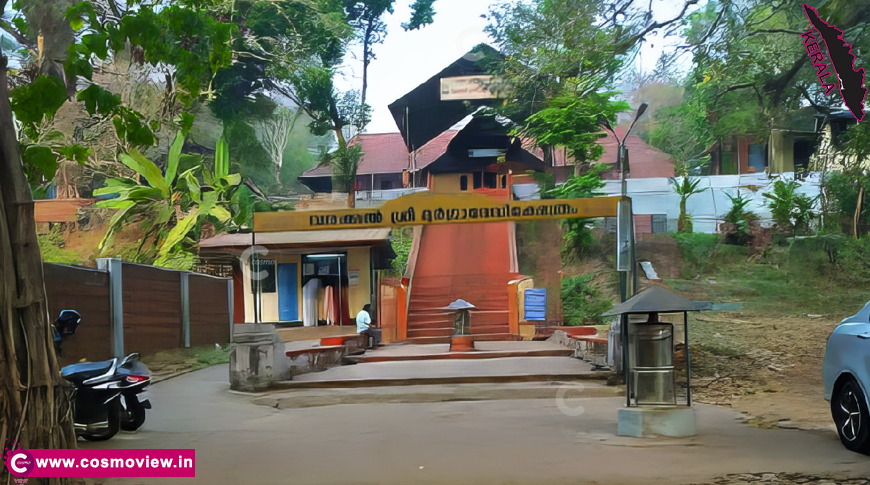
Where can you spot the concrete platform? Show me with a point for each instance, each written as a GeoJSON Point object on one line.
{"type": "Point", "coordinates": [315, 397]}
{"type": "Point", "coordinates": [482, 350]}
{"type": "Point", "coordinates": [642, 422]}
{"type": "Point", "coordinates": [424, 372]}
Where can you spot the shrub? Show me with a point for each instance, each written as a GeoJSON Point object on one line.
{"type": "Point", "coordinates": [739, 222]}
{"type": "Point", "coordinates": [582, 300]}
{"type": "Point", "coordinates": [401, 243]}
{"type": "Point", "coordinates": [792, 212]}
{"type": "Point", "coordinates": [51, 246]}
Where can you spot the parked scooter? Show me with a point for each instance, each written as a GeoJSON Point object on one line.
{"type": "Point", "coordinates": [108, 395]}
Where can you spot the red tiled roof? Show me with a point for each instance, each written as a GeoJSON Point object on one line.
{"type": "Point", "coordinates": [433, 149]}
{"type": "Point", "coordinates": [644, 161]}
{"type": "Point", "coordinates": [382, 153]}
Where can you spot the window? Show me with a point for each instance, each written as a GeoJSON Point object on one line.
{"type": "Point", "coordinates": [504, 181]}
{"type": "Point", "coordinates": [267, 282]}
{"type": "Point", "coordinates": [386, 184]}
{"type": "Point", "coordinates": [478, 179]}
{"type": "Point", "coordinates": [490, 180]}
{"type": "Point", "coordinates": [659, 223]}
{"type": "Point", "coordinates": [758, 157]}
{"type": "Point", "coordinates": [463, 182]}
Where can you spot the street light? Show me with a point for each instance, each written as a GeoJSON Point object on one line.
{"type": "Point", "coordinates": [625, 222]}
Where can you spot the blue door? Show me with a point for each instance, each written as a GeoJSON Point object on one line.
{"type": "Point", "coordinates": [288, 297]}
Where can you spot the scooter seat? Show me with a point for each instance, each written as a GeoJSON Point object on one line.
{"type": "Point", "coordinates": [85, 370]}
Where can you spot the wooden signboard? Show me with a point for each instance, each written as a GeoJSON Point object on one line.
{"type": "Point", "coordinates": [425, 208]}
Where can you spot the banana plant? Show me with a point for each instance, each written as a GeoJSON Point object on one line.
{"type": "Point", "coordinates": [685, 188]}
{"type": "Point", "coordinates": [170, 206]}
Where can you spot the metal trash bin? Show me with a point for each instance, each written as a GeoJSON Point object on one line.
{"type": "Point", "coordinates": [653, 379]}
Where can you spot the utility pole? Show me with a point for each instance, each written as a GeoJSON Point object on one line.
{"type": "Point", "coordinates": [625, 224]}
{"type": "Point", "coordinates": [627, 275]}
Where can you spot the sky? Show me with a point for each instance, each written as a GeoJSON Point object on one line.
{"type": "Point", "coordinates": [407, 59]}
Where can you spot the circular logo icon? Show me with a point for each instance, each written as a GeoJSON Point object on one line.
{"type": "Point", "coordinates": [20, 463]}
{"type": "Point", "coordinates": [563, 399]}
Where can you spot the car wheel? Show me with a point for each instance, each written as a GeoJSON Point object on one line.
{"type": "Point", "coordinates": [849, 410]}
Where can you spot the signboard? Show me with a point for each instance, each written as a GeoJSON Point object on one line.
{"type": "Point", "coordinates": [426, 208]}
{"type": "Point", "coordinates": [473, 87]}
{"type": "Point", "coordinates": [353, 278]}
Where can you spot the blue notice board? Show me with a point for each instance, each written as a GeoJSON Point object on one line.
{"type": "Point", "coordinates": [535, 309]}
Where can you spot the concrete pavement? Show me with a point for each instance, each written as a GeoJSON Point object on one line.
{"type": "Point", "coordinates": [501, 367]}
{"type": "Point", "coordinates": [488, 442]}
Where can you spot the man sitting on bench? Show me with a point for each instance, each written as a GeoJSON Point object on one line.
{"type": "Point", "coordinates": [364, 326]}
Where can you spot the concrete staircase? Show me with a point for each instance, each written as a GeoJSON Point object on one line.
{"type": "Point", "coordinates": [468, 261]}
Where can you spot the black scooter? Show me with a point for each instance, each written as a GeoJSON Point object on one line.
{"type": "Point", "coordinates": [108, 395]}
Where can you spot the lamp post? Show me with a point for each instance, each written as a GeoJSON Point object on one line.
{"type": "Point", "coordinates": [626, 276]}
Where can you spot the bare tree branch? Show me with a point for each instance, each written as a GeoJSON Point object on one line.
{"type": "Point", "coordinates": [774, 31]}
{"type": "Point", "coordinates": [627, 44]}
{"type": "Point", "coordinates": [708, 34]}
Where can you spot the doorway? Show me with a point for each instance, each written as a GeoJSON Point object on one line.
{"type": "Point", "coordinates": [288, 293]}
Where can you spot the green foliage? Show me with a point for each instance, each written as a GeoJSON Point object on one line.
{"type": "Point", "coordinates": [574, 123]}
{"type": "Point", "coordinates": [546, 183]}
{"type": "Point", "coordinates": [791, 211]}
{"type": "Point", "coordinates": [559, 62]}
{"type": "Point", "coordinates": [190, 40]}
{"type": "Point", "coordinates": [51, 246]}
{"type": "Point", "coordinates": [683, 132]}
{"type": "Point", "coordinates": [344, 162]}
{"type": "Point", "coordinates": [577, 233]}
{"type": "Point", "coordinates": [172, 207]}
{"type": "Point", "coordinates": [37, 101]}
{"type": "Point", "coordinates": [685, 188]}
{"type": "Point", "coordinates": [422, 14]}
{"type": "Point", "coordinates": [698, 251]}
{"type": "Point", "coordinates": [740, 222]}
{"type": "Point", "coordinates": [401, 243]}
{"type": "Point", "coordinates": [841, 191]}
{"type": "Point", "coordinates": [252, 159]}
{"type": "Point", "coordinates": [583, 301]}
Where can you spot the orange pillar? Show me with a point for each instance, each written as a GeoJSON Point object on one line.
{"type": "Point", "coordinates": [513, 309]}
{"type": "Point", "coordinates": [402, 314]}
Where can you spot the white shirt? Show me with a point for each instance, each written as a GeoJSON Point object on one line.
{"type": "Point", "coordinates": [362, 321]}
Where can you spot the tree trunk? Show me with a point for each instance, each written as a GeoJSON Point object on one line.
{"type": "Point", "coordinates": [367, 42]}
{"type": "Point", "coordinates": [351, 189]}
{"type": "Point", "coordinates": [858, 211]}
{"type": "Point", "coordinates": [34, 406]}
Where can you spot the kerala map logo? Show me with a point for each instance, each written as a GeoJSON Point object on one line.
{"type": "Point", "coordinates": [842, 62]}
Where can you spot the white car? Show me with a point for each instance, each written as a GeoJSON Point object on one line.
{"type": "Point", "coordinates": [847, 379]}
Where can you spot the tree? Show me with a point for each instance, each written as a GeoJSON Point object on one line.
{"type": "Point", "coordinates": [274, 132]}
{"type": "Point", "coordinates": [34, 407]}
{"type": "Point", "coordinates": [685, 188]}
{"type": "Point", "coordinates": [366, 16]}
{"type": "Point", "coordinates": [170, 205]}
{"type": "Point", "coordinates": [578, 234]}
{"type": "Point", "coordinates": [34, 404]}
{"type": "Point", "coordinates": [332, 112]}
{"type": "Point", "coordinates": [750, 70]}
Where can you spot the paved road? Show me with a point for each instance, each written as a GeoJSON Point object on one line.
{"type": "Point", "coordinates": [489, 442]}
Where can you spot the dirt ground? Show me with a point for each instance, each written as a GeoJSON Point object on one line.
{"type": "Point", "coordinates": [769, 368]}
{"type": "Point", "coordinates": [767, 363]}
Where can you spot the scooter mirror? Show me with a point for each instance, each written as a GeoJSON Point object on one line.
{"type": "Point", "coordinates": [68, 321]}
